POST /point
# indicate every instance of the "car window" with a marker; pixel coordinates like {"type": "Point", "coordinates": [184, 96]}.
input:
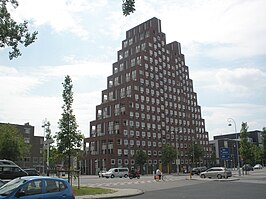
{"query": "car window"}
{"type": "Point", "coordinates": [32, 188]}
{"type": "Point", "coordinates": [54, 186]}
{"type": "Point", "coordinates": [116, 170]}
{"type": "Point", "coordinates": [10, 186]}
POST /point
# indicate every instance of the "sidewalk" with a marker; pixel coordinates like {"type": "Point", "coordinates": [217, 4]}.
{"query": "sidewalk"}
{"type": "Point", "coordinates": [117, 194]}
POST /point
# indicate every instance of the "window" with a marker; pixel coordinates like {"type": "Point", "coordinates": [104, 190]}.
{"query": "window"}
{"type": "Point", "coordinates": [54, 186]}
{"type": "Point", "coordinates": [33, 188]}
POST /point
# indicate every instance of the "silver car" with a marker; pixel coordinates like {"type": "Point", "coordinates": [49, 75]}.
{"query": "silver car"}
{"type": "Point", "coordinates": [216, 172]}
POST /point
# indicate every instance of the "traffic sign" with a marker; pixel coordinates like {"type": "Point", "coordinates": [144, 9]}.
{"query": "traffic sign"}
{"type": "Point", "coordinates": [224, 153]}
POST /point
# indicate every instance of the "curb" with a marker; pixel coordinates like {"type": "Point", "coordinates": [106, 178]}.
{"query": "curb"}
{"type": "Point", "coordinates": [119, 193]}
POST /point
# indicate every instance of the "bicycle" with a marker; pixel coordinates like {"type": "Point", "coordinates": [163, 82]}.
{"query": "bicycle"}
{"type": "Point", "coordinates": [163, 178]}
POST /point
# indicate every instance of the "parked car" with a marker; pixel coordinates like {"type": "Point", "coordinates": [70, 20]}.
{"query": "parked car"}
{"type": "Point", "coordinates": [216, 172]}
{"type": "Point", "coordinates": [247, 167]}
{"type": "Point", "coordinates": [30, 187]}
{"type": "Point", "coordinates": [7, 162]}
{"type": "Point", "coordinates": [198, 170]}
{"type": "Point", "coordinates": [257, 166]}
{"type": "Point", "coordinates": [11, 172]}
{"type": "Point", "coordinates": [116, 172]}
{"type": "Point", "coordinates": [32, 172]}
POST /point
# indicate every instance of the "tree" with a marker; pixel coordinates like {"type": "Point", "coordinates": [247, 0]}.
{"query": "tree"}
{"type": "Point", "coordinates": [263, 134]}
{"type": "Point", "coordinates": [12, 145]}
{"type": "Point", "coordinates": [245, 146]}
{"type": "Point", "coordinates": [128, 6]}
{"type": "Point", "coordinates": [169, 154]}
{"type": "Point", "coordinates": [196, 153]}
{"type": "Point", "coordinates": [12, 33]}
{"type": "Point", "coordinates": [140, 158]}
{"type": "Point", "coordinates": [68, 139]}
{"type": "Point", "coordinates": [257, 153]}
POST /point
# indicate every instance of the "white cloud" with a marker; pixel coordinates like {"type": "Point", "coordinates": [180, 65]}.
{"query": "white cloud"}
{"type": "Point", "coordinates": [80, 69]}
{"type": "Point", "coordinates": [239, 81]}
{"type": "Point", "coordinates": [216, 117]}
{"type": "Point", "coordinates": [228, 29]}
{"type": "Point", "coordinates": [19, 105]}
{"type": "Point", "coordinates": [61, 15]}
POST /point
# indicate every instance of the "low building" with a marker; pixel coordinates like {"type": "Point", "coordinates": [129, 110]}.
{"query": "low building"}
{"type": "Point", "coordinates": [34, 159]}
{"type": "Point", "coordinates": [232, 142]}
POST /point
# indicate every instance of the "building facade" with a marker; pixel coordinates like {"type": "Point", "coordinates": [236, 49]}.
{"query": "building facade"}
{"type": "Point", "coordinates": [149, 102]}
{"type": "Point", "coordinates": [34, 159]}
{"type": "Point", "coordinates": [232, 141]}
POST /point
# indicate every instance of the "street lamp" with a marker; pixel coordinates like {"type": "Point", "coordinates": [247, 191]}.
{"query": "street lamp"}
{"type": "Point", "coordinates": [230, 120]}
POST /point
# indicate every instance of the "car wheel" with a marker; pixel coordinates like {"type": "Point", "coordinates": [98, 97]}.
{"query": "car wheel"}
{"type": "Point", "coordinates": [219, 176]}
{"type": "Point", "coordinates": [112, 176]}
{"type": "Point", "coordinates": [125, 175]}
{"type": "Point", "coordinates": [202, 176]}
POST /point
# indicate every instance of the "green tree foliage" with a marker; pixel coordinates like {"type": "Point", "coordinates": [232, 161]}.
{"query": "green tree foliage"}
{"type": "Point", "coordinates": [12, 33]}
{"type": "Point", "coordinates": [128, 7]}
{"type": "Point", "coordinates": [56, 158]}
{"type": "Point", "coordinates": [68, 139]}
{"type": "Point", "coordinates": [169, 154]}
{"type": "Point", "coordinates": [140, 158]}
{"type": "Point", "coordinates": [245, 146]}
{"type": "Point", "coordinates": [12, 145]}
{"type": "Point", "coordinates": [196, 153]}
{"type": "Point", "coordinates": [257, 154]}
{"type": "Point", "coordinates": [263, 134]}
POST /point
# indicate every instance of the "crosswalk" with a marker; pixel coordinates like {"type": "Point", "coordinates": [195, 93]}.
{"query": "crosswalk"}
{"type": "Point", "coordinates": [133, 181]}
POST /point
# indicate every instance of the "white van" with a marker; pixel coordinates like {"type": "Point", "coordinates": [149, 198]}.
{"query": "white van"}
{"type": "Point", "coordinates": [116, 172]}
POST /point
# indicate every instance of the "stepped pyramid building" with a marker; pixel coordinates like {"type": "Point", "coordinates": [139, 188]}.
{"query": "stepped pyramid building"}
{"type": "Point", "coordinates": [149, 102]}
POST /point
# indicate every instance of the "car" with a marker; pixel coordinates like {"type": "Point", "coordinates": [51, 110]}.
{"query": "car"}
{"type": "Point", "coordinates": [247, 167]}
{"type": "Point", "coordinates": [116, 172]}
{"type": "Point", "coordinates": [216, 172]}
{"type": "Point", "coordinates": [101, 173]}
{"type": "Point", "coordinates": [257, 166]}
{"type": "Point", "coordinates": [2, 183]}
{"type": "Point", "coordinates": [32, 172]}
{"type": "Point", "coordinates": [11, 172]}
{"type": "Point", "coordinates": [198, 170]}
{"type": "Point", "coordinates": [29, 187]}
{"type": "Point", "coordinates": [7, 162]}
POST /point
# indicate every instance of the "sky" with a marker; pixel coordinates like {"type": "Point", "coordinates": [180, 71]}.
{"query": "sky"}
{"type": "Point", "coordinates": [224, 44]}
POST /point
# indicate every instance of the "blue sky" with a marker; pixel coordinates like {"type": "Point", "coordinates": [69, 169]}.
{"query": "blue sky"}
{"type": "Point", "coordinates": [224, 44]}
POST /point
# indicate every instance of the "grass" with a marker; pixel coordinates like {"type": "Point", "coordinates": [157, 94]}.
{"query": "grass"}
{"type": "Point", "coordinates": [90, 190]}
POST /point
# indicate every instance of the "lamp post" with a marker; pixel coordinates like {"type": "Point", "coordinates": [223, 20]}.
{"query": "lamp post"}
{"type": "Point", "coordinates": [44, 134]}
{"type": "Point", "coordinates": [230, 120]}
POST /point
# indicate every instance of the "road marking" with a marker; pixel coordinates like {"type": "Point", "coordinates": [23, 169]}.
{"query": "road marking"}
{"type": "Point", "coordinates": [108, 184]}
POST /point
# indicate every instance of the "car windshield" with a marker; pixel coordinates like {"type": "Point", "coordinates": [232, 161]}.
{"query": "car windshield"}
{"type": "Point", "coordinates": [10, 186]}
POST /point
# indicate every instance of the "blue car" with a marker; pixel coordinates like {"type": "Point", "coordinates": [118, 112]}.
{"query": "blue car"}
{"type": "Point", "coordinates": [2, 183]}
{"type": "Point", "coordinates": [37, 187]}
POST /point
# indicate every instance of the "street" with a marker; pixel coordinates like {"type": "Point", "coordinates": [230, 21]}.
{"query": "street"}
{"type": "Point", "coordinates": [210, 190]}
{"type": "Point", "coordinates": [238, 187]}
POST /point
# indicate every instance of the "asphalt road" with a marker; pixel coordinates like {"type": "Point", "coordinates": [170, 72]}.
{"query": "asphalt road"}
{"type": "Point", "coordinates": [251, 186]}
{"type": "Point", "coordinates": [210, 190]}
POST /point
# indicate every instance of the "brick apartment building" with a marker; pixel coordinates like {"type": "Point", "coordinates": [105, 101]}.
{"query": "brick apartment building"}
{"type": "Point", "coordinates": [34, 159]}
{"type": "Point", "coordinates": [149, 102]}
